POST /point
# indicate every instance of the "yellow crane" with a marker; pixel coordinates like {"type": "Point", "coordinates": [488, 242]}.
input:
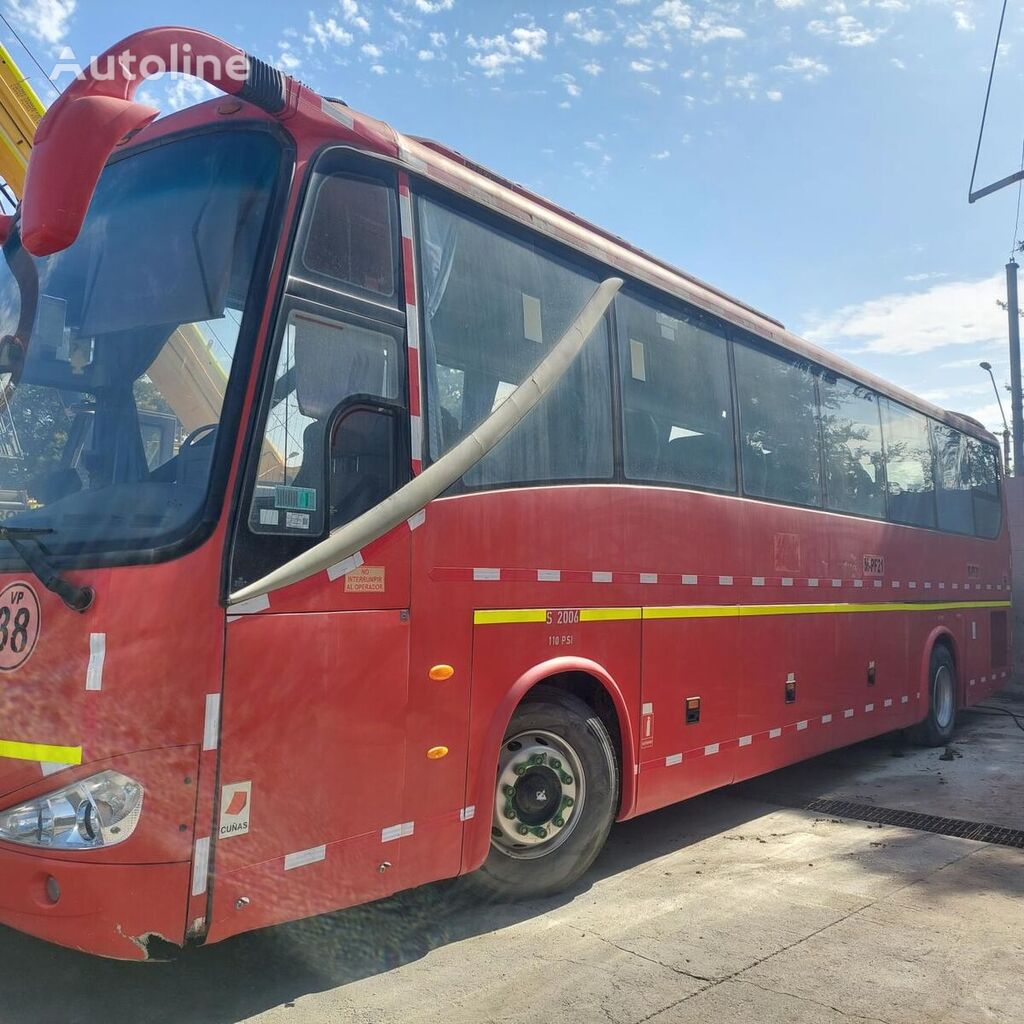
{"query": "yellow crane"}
{"type": "Point", "coordinates": [20, 113]}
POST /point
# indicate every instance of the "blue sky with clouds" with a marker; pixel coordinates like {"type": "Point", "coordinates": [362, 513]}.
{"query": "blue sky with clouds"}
{"type": "Point", "coordinates": [810, 156]}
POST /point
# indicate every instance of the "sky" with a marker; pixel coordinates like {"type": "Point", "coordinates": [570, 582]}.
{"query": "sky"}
{"type": "Point", "coordinates": [810, 157]}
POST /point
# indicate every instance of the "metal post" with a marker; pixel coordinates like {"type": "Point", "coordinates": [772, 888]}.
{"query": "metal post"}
{"type": "Point", "coordinates": [1006, 453]}
{"type": "Point", "coordinates": [1016, 400]}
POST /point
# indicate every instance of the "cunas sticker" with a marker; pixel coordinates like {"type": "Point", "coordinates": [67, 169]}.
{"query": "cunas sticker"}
{"type": "Point", "coordinates": [19, 625]}
{"type": "Point", "coordinates": [235, 804]}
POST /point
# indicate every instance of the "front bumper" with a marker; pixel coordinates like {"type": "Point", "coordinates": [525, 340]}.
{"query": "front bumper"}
{"type": "Point", "coordinates": [112, 910]}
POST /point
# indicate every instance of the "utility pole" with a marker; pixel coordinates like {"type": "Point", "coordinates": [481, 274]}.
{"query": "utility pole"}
{"type": "Point", "coordinates": [1016, 399]}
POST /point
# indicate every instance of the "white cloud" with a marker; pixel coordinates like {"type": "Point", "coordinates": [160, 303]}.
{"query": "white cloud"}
{"type": "Point", "coordinates": [496, 54]}
{"type": "Point", "coordinates": [378, 69]}
{"type": "Point", "coordinates": [579, 23]}
{"type": "Point", "coordinates": [350, 12]}
{"type": "Point", "coordinates": [425, 55]}
{"type": "Point", "coordinates": [963, 20]}
{"type": "Point", "coordinates": [433, 6]}
{"type": "Point", "coordinates": [185, 91]}
{"type": "Point", "coordinates": [845, 29]}
{"type": "Point", "coordinates": [369, 50]}
{"type": "Point", "coordinates": [663, 155]}
{"type": "Point", "coordinates": [775, 95]}
{"type": "Point", "coordinates": [46, 20]}
{"type": "Point", "coordinates": [674, 13]}
{"type": "Point", "coordinates": [910, 323]}
{"type": "Point", "coordinates": [641, 67]}
{"type": "Point", "coordinates": [438, 40]}
{"type": "Point", "coordinates": [328, 31]}
{"type": "Point", "coordinates": [807, 68]}
{"type": "Point", "coordinates": [593, 68]}
{"type": "Point", "coordinates": [788, 5]}
{"type": "Point", "coordinates": [569, 82]}
{"type": "Point", "coordinates": [927, 276]}
{"type": "Point", "coordinates": [711, 29]}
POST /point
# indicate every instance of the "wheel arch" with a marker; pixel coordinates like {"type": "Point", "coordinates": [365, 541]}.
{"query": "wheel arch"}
{"type": "Point", "coordinates": [597, 688]}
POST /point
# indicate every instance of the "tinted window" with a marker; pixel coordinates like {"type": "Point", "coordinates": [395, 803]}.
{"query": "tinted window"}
{"type": "Point", "coordinates": [493, 307]}
{"type": "Point", "coordinates": [953, 474]}
{"type": "Point", "coordinates": [351, 235]}
{"type": "Point", "coordinates": [780, 442]}
{"type": "Point", "coordinates": [984, 470]}
{"type": "Point", "coordinates": [676, 402]}
{"type": "Point", "coordinates": [852, 433]}
{"type": "Point", "coordinates": [908, 465]}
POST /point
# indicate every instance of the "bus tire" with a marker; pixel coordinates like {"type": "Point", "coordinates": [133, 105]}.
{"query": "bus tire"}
{"type": "Point", "coordinates": [555, 797]}
{"type": "Point", "coordinates": [936, 730]}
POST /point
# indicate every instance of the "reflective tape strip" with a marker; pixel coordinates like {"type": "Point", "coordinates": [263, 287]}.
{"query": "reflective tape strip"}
{"type": "Point", "coordinates": [487, 574]}
{"type": "Point", "coordinates": [548, 576]}
{"type": "Point", "coordinates": [304, 857]}
{"type": "Point", "coordinates": [848, 713]}
{"type": "Point", "coordinates": [344, 566]}
{"type": "Point", "coordinates": [888, 702]}
{"type": "Point", "coordinates": [250, 607]}
{"type": "Point", "coordinates": [601, 577]}
{"type": "Point", "coordinates": [800, 726]}
{"type": "Point", "coordinates": [673, 759]}
{"type": "Point", "coordinates": [774, 734]}
{"type": "Point", "coordinates": [868, 708]}
{"type": "Point", "coordinates": [745, 741]}
{"type": "Point", "coordinates": [200, 866]}
{"type": "Point", "coordinates": [490, 617]}
{"type": "Point", "coordinates": [417, 519]}
{"type": "Point", "coordinates": [393, 832]}
{"type": "Point", "coordinates": [467, 813]}
{"type": "Point", "coordinates": [211, 724]}
{"type": "Point", "coordinates": [711, 748]}
{"type": "Point", "coordinates": [825, 719]}
{"type": "Point", "coordinates": [648, 577]}
{"type": "Point", "coordinates": [18, 751]}
{"type": "Point", "coordinates": [97, 655]}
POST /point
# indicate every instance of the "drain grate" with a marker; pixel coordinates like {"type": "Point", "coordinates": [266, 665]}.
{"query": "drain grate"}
{"type": "Point", "coordinates": [980, 831]}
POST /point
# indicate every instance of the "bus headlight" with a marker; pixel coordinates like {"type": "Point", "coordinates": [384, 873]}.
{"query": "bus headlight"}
{"type": "Point", "coordinates": [101, 810]}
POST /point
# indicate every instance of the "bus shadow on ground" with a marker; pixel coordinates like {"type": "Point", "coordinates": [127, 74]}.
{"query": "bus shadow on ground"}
{"type": "Point", "coordinates": [251, 973]}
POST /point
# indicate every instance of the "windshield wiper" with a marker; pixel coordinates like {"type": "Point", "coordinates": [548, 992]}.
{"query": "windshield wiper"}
{"type": "Point", "coordinates": [77, 598]}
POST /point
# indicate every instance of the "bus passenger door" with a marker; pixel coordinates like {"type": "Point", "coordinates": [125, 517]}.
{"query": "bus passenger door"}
{"type": "Point", "coordinates": [314, 717]}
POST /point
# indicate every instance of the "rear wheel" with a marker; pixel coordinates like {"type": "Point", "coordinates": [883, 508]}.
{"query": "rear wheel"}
{"type": "Point", "coordinates": [554, 800]}
{"type": "Point", "coordinates": [938, 727]}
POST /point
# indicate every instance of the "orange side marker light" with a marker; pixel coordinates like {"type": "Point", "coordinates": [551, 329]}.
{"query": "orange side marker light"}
{"type": "Point", "coordinates": [436, 753]}
{"type": "Point", "coordinates": [439, 673]}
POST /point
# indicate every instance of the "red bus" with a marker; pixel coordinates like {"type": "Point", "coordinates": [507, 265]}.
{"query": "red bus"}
{"type": "Point", "coordinates": [474, 530]}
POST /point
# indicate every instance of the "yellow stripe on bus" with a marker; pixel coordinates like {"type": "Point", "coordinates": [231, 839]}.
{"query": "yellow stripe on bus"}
{"type": "Point", "coordinates": [40, 752]}
{"type": "Point", "coordinates": [503, 616]}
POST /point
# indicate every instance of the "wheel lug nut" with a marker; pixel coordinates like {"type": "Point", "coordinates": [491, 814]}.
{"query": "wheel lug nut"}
{"type": "Point", "coordinates": [523, 830]}
{"type": "Point", "coordinates": [555, 763]}
{"type": "Point", "coordinates": [540, 833]}
{"type": "Point", "coordinates": [509, 791]}
{"type": "Point", "coordinates": [510, 814]}
{"type": "Point", "coordinates": [558, 822]}
{"type": "Point", "coordinates": [520, 769]}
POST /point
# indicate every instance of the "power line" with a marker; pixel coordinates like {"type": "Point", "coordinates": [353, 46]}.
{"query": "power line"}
{"type": "Point", "coordinates": [1016, 226]}
{"type": "Point", "coordinates": [988, 93]}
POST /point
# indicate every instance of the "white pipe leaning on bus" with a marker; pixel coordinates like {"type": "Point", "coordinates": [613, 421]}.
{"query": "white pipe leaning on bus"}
{"type": "Point", "coordinates": [439, 476]}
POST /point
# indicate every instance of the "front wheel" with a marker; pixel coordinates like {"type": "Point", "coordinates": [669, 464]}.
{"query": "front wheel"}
{"type": "Point", "coordinates": [555, 796]}
{"type": "Point", "coordinates": [937, 729]}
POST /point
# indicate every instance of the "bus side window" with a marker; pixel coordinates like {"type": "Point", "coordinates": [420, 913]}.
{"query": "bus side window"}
{"type": "Point", "coordinates": [909, 466]}
{"type": "Point", "coordinates": [493, 307]}
{"type": "Point", "coordinates": [984, 482]}
{"type": "Point", "coordinates": [854, 463]}
{"type": "Point", "coordinates": [351, 235]}
{"type": "Point", "coordinates": [780, 439]}
{"type": "Point", "coordinates": [676, 400]}
{"type": "Point", "coordinates": [953, 477]}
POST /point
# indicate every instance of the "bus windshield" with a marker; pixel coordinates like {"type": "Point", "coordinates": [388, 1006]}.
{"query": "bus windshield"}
{"type": "Point", "coordinates": [107, 439]}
